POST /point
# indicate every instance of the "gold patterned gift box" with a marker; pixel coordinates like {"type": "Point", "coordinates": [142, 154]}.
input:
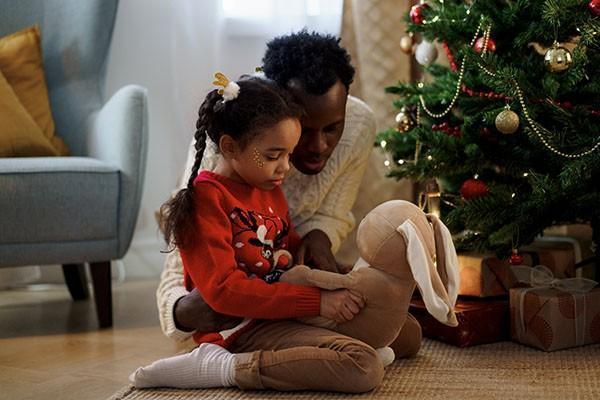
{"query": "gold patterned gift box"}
{"type": "Point", "coordinates": [557, 314]}
{"type": "Point", "coordinates": [489, 276]}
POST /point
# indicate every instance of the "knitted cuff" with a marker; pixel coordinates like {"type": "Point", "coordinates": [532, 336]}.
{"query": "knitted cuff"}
{"type": "Point", "coordinates": [309, 302]}
{"type": "Point", "coordinates": [170, 328]}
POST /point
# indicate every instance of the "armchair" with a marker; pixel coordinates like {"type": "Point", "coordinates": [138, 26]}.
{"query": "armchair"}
{"type": "Point", "coordinates": [82, 208]}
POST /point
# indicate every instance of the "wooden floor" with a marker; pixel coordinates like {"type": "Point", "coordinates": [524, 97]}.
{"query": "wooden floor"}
{"type": "Point", "coordinates": [50, 347]}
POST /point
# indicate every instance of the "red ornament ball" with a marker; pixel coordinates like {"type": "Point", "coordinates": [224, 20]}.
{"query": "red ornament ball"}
{"type": "Point", "coordinates": [416, 13]}
{"type": "Point", "coordinates": [473, 188]}
{"type": "Point", "coordinates": [515, 258]}
{"type": "Point", "coordinates": [594, 6]}
{"type": "Point", "coordinates": [478, 46]}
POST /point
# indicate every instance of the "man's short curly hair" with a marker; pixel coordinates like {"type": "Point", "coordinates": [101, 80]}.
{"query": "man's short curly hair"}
{"type": "Point", "coordinates": [316, 60]}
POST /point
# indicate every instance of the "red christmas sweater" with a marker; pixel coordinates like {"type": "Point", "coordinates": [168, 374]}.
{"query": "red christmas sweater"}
{"type": "Point", "coordinates": [244, 241]}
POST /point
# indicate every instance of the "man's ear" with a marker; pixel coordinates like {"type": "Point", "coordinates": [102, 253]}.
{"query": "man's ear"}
{"type": "Point", "coordinates": [228, 147]}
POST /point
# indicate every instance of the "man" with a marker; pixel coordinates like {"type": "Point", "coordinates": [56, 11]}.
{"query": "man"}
{"type": "Point", "coordinates": [329, 161]}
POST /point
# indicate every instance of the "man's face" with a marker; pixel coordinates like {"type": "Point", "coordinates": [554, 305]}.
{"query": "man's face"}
{"type": "Point", "coordinates": [322, 127]}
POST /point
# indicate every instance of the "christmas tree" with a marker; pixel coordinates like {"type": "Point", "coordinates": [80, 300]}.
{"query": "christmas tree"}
{"type": "Point", "coordinates": [510, 127]}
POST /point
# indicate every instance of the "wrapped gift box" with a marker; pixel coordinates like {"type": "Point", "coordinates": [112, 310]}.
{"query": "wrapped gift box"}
{"type": "Point", "coordinates": [476, 277]}
{"type": "Point", "coordinates": [488, 276]}
{"type": "Point", "coordinates": [582, 234]}
{"type": "Point", "coordinates": [560, 254]}
{"type": "Point", "coordinates": [479, 322]}
{"type": "Point", "coordinates": [551, 319]}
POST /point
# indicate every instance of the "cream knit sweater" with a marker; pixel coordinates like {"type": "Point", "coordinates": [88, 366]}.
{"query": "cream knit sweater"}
{"type": "Point", "coordinates": [321, 201]}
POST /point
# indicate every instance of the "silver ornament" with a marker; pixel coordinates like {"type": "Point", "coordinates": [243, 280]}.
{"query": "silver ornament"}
{"type": "Point", "coordinates": [426, 53]}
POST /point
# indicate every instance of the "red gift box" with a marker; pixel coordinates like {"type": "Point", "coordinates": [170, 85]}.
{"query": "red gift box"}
{"type": "Point", "coordinates": [479, 322]}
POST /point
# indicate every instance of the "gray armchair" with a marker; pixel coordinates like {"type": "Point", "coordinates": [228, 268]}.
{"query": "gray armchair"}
{"type": "Point", "coordinates": [82, 208]}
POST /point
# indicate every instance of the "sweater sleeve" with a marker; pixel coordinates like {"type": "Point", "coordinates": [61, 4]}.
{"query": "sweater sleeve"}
{"type": "Point", "coordinates": [334, 216]}
{"type": "Point", "coordinates": [171, 289]}
{"type": "Point", "coordinates": [211, 264]}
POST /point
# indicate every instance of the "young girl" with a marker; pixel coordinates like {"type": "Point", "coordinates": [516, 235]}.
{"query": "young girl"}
{"type": "Point", "coordinates": [235, 237]}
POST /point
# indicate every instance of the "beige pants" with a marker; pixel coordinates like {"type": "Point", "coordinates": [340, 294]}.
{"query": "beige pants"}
{"type": "Point", "coordinates": [288, 355]}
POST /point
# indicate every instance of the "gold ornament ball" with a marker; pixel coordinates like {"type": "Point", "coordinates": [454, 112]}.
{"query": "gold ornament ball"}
{"type": "Point", "coordinates": [406, 44]}
{"type": "Point", "coordinates": [507, 122]}
{"type": "Point", "coordinates": [403, 121]}
{"type": "Point", "coordinates": [557, 59]}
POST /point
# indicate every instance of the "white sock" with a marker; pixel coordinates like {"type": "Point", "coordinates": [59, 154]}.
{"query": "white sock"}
{"type": "Point", "coordinates": [386, 355]}
{"type": "Point", "coordinates": [206, 366]}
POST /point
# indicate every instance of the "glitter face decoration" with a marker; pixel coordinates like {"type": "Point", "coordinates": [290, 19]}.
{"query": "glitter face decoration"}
{"type": "Point", "coordinates": [257, 157]}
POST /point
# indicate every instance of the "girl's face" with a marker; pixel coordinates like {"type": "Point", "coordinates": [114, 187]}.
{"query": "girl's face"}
{"type": "Point", "coordinates": [265, 160]}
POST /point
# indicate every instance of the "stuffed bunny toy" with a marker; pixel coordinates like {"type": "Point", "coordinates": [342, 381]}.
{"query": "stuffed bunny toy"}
{"type": "Point", "coordinates": [400, 247]}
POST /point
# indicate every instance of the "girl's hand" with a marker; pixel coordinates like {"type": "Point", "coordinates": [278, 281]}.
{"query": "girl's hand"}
{"type": "Point", "coordinates": [340, 305]}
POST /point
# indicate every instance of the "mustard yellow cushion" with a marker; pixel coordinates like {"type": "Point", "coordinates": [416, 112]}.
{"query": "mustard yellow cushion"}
{"type": "Point", "coordinates": [19, 134]}
{"type": "Point", "coordinates": [21, 64]}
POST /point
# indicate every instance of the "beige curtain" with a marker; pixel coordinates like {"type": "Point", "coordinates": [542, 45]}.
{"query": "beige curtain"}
{"type": "Point", "coordinates": [371, 31]}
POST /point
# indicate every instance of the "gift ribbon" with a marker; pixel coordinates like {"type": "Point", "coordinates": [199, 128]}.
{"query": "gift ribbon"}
{"type": "Point", "coordinates": [540, 277]}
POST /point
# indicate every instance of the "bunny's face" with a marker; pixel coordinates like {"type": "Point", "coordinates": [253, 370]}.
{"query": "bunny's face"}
{"type": "Point", "coordinates": [381, 244]}
{"type": "Point", "coordinates": [396, 237]}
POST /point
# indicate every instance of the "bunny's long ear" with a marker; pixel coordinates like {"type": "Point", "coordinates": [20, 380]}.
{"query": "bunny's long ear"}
{"type": "Point", "coordinates": [447, 261]}
{"type": "Point", "coordinates": [425, 274]}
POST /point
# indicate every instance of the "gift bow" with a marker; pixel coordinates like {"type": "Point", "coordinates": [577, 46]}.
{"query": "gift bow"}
{"type": "Point", "coordinates": [541, 276]}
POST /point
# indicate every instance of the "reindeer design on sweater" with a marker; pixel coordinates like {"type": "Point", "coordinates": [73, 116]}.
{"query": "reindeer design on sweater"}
{"type": "Point", "coordinates": [259, 245]}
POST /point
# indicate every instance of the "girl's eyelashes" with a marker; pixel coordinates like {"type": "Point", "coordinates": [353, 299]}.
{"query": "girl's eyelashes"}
{"type": "Point", "coordinates": [272, 157]}
{"type": "Point", "coordinates": [277, 157]}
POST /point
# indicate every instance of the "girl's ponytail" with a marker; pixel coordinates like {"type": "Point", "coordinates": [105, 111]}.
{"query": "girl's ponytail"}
{"type": "Point", "coordinates": [177, 216]}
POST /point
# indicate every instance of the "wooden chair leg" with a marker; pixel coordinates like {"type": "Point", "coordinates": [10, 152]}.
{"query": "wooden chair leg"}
{"type": "Point", "coordinates": [76, 281]}
{"type": "Point", "coordinates": [100, 272]}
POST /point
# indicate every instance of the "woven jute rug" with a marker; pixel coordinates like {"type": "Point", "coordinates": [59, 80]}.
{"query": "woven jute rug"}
{"type": "Point", "coordinates": [497, 371]}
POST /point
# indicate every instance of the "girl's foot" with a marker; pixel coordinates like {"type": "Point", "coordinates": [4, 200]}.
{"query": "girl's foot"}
{"type": "Point", "coordinates": [206, 366]}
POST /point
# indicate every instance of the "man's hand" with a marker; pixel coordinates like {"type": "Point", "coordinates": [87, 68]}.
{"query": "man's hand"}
{"type": "Point", "coordinates": [192, 313]}
{"type": "Point", "coordinates": [340, 305]}
{"type": "Point", "coordinates": [315, 251]}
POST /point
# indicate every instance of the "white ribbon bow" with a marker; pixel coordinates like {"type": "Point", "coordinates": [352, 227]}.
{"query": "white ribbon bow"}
{"type": "Point", "coordinates": [541, 276]}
